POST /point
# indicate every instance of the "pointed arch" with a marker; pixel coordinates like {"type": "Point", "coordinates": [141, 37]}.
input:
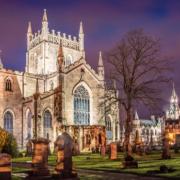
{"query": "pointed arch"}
{"type": "Point", "coordinates": [29, 124]}
{"type": "Point", "coordinates": [8, 84]}
{"type": "Point", "coordinates": [47, 123]}
{"type": "Point", "coordinates": [81, 98]}
{"type": "Point", "coordinates": [109, 127]}
{"type": "Point", "coordinates": [8, 120]}
{"type": "Point", "coordinates": [69, 60]}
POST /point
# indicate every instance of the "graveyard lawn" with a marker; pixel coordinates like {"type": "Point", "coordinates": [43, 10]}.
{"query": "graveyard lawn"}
{"type": "Point", "coordinates": [96, 162]}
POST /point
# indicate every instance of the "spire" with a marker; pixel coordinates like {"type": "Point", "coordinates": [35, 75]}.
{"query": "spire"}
{"type": "Point", "coordinates": [174, 91]}
{"type": "Point", "coordinates": [1, 64]}
{"type": "Point", "coordinates": [81, 28]}
{"type": "Point", "coordinates": [45, 29]}
{"type": "Point", "coordinates": [81, 39]}
{"type": "Point", "coordinates": [101, 67]}
{"type": "Point", "coordinates": [29, 28]}
{"type": "Point", "coordinates": [136, 117]}
{"type": "Point", "coordinates": [100, 62]}
{"type": "Point", "coordinates": [45, 16]}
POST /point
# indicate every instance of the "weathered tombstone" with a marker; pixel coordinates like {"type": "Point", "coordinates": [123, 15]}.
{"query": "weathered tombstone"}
{"type": "Point", "coordinates": [103, 151]}
{"type": "Point", "coordinates": [40, 157]}
{"type": "Point", "coordinates": [113, 151]}
{"type": "Point", "coordinates": [64, 147]}
{"type": "Point", "coordinates": [76, 150]}
{"type": "Point", "coordinates": [29, 148]}
{"type": "Point", "coordinates": [5, 166]}
{"type": "Point", "coordinates": [166, 149]}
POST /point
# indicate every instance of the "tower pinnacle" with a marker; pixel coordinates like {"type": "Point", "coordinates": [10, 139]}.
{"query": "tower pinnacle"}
{"type": "Point", "coordinates": [45, 29]}
{"type": "Point", "coordinates": [29, 28]}
{"type": "Point", "coordinates": [1, 64]}
{"type": "Point", "coordinates": [100, 67]}
{"type": "Point", "coordinates": [136, 117]}
{"type": "Point", "coordinates": [81, 39]}
{"type": "Point", "coordinates": [174, 97]}
{"type": "Point", "coordinates": [81, 28]}
{"type": "Point", "coordinates": [45, 15]}
{"type": "Point", "coordinates": [100, 62]}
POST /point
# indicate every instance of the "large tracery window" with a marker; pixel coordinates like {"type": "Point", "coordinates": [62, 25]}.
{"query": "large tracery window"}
{"type": "Point", "coordinates": [81, 106]}
{"type": "Point", "coordinates": [8, 122]}
{"type": "Point", "coordinates": [47, 123]}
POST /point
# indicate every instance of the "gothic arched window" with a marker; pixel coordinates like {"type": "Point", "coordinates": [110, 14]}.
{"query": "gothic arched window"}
{"type": "Point", "coordinates": [51, 85]}
{"type": "Point", "coordinates": [47, 123]}
{"type": "Point", "coordinates": [29, 125]}
{"type": "Point", "coordinates": [108, 123]}
{"type": "Point", "coordinates": [8, 122]}
{"type": "Point", "coordinates": [108, 128]}
{"type": "Point", "coordinates": [8, 85]}
{"type": "Point", "coordinates": [81, 106]}
{"type": "Point", "coordinates": [68, 60]}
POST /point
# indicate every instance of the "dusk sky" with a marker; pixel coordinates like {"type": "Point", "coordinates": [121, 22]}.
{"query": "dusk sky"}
{"type": "Point", "coordinates": [105, 22]}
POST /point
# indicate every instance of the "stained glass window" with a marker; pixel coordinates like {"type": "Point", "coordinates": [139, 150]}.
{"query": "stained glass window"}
{"type": "Point", "coordinates": [29, 125]}
{"type": "Point", "coordinates": [8, 122]}
{"type": "Point", "coordinates": [108, 128]}
{"type": "Point", "coordinates": [81, 106]}
{"type": "Point", "coordinates": [47, 123]}
{"type": "Point", "coordinates": [108, 124]}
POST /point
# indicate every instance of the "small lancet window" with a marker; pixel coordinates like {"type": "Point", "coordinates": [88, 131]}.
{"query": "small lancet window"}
{"type": "Point", "coordinates": [8, 85]}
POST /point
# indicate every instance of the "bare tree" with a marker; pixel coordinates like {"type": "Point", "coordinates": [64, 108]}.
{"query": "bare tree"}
{"type": "Point", "coordinates": [139, 71]}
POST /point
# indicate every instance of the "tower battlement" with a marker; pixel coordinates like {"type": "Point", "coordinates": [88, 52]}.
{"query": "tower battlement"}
{"type": "Point", "coordinates": [42, 48]}
{"type": "Point", "coordinates": [55, 38]}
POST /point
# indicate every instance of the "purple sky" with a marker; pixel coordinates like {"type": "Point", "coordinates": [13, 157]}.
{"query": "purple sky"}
{"type": "Point", "coordinates": [105, 22]}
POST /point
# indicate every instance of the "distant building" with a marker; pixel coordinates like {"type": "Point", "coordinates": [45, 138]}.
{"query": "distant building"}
{"type": "Point", "coordinates": [148, 130]}
{"type": "Point", "coordinates": [172, 123]}
{"type": "Point", "coordinates": [174, 111]}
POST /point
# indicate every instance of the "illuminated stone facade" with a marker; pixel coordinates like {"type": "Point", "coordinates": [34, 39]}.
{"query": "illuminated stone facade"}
{"type": "Point", "coordinates": [58, 92]}
{"type": "Point", "coordinates": [173, 129]}
{"type": "Point", "coordinates": [172, 123]}
{"type": "Point", "coordinates": [174, 111]}
{"type": "Point", "coordinates": [147, 131]}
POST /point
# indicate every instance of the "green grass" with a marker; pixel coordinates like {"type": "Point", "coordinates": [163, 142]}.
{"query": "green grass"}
{"type": "Point", "coordinates": [96, 162]}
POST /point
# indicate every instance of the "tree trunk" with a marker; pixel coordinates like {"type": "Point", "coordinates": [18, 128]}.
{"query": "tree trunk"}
{"type": "Point", "coordinates": [166, 150]}
{"type": "Point", "coordinates": [127, 144]}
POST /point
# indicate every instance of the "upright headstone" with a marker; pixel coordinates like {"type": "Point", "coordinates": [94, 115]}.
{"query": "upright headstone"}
{"type": "Point", "coordinates": [113, 151]}
{"type": "Point", "coordinates": [103, 151]}
{"type": "Point", "coordinates": [5, 166]}
{"type": "Point", "coordinates": [64, 147]}
{"type": "Point", "coordinates": [40, 157]}
{"type": "Point", "coordinates": [29, 149]}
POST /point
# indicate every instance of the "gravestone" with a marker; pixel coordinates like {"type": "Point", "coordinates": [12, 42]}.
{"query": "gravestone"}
{"type": "Point", "coordinates": [40, 157]}
{"type": "Point", "coordinates": [76, 150]}
{"type": "Point", "coordinates": [64, 147]}
{"type": "Point", "coordinates": [103, 151]}
{"type": "Point", "coordinates": [29, 148]}
{"type": "Point", "coordinates": [5, 166]}
{"type": "Point", "coordinates": [113, 151]}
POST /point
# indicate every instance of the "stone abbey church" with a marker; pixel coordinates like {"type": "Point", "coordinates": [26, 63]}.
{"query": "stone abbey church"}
{"type": "Point", "coordinates": [58, 92]}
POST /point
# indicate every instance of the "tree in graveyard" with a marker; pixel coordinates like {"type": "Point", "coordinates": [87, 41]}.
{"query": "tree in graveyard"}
{"type": "Point", "coordinates": [138, 69]}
